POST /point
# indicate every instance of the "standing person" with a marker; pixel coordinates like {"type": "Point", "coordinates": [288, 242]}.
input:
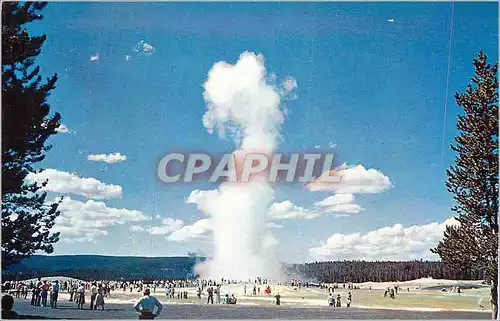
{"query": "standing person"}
{"type": "Point", "coordinates": [339, 304]}
{"type": "Point", "coordinates": [99, 301]}
{"type": "Point", "coordinates": [210, 292]}
{"type": "Point", "coordinates": [55, 294]}
{"type": "Point", "coordinates": [37, 292]}
{"type": "Point", "coordinates": [245, 290]}
{"type": "Point", "coordinates": [7, 305]}
{"type": "Point", "coordinates": [199, 293]}
{"type": "Point", "coordinates": [72, 291]}
{"type": "Point", "coordinates": [80, 296]}
{"type": "Point", "coordinates": [217, 293]}
{"type": "Point", "coordinates": [331, 300]}
{"type": "Point", "coordinates": [34, 294]}
{"type": "Point", "coordinates": [146, 305]}
{"type": "Point", "coordinates": [93, 295]}
{"type": "Point", "coordinates": [278, 299]}
{"type": "Point", "coordinates": [44, 291]}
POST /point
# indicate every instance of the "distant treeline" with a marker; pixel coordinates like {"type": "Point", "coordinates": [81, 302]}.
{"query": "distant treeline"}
{"type": "Point", "coordinates": [96, 267]}
{"type": "Point", "coordinates": [381, 271]}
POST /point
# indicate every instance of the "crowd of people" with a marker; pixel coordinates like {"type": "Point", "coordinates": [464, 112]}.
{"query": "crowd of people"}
{"type": "Point", "coordinates": [46, 293]}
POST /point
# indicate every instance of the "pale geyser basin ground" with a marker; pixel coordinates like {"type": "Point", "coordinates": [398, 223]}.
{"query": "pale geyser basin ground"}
{"type": "Point", "coordinates": [418, 298]}
{"type": "Point", "coordinates": [423, 295]}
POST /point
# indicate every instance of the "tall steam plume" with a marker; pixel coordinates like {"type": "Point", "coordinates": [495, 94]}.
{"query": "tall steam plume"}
{"type": "Point", "coordinates": [243, 103]}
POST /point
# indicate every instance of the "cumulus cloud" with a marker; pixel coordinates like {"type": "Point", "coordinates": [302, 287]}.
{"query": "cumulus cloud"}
{"type": "Point", "coordinates": [339, 203]}
{"type": "Point", "coordinates": [198, 231]}
{"type": "Point", "coordinates": [168, 226]}
{"type": "Point", "coordinates": [71, 183]}
{"type": "Point", "coordinates": [353, 179]}
{"type": "Point", "coordinates": [206, 201]}
{"type": "Point", "coordinates": [143, 48]}
{"type": "Point", "coordinates": [85, 221]}
{"type": "Point", "coordinates": [387, 243]}
{"type": "Point", "coordinates": [286, 210]}
{"type": "Point", "coordinates": [95, 58]}
{"type": "Point", "coordinates": [110, 158]}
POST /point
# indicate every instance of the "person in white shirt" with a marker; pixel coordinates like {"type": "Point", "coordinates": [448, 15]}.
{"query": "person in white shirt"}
{"type": "Point", "coordinates": [80, 296]}
{"type": "Point", "coordinates": [146, 305]}
{"type": "Point", "coordinates": [331, 300]}
{"type": "Point", "coordinates": [93, 296]}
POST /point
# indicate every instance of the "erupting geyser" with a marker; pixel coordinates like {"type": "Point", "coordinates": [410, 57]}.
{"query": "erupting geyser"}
{"type": "Point", "coordinates": [242, 102]}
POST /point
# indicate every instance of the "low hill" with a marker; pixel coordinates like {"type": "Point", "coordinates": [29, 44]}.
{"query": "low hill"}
{"type": "Point", "coordinates": [93, 267]}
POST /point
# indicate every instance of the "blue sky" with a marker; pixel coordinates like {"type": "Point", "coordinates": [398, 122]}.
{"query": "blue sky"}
{"type": "Point", "coordinates": [373, 87]}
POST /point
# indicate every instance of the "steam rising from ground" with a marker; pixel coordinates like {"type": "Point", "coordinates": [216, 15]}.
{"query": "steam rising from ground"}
{"type": "Point", "coordinates": [243, 103]}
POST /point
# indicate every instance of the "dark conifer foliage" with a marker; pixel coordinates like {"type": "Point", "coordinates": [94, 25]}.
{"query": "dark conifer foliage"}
{"type": "Point", "coordinates": [474, 180]}
{"type": "Point", "coordinates": [26, 126]}
{"type": "Point", "coordinates": [381, 271]}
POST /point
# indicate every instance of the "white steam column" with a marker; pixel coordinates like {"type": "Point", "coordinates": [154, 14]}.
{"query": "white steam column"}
{"type": "Point", "coordinates": [242, 102]}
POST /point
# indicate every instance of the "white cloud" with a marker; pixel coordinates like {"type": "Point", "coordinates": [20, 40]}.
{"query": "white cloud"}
{"type": "Point", "coordinates": [317, 146]}
{"type": "Point", "coordinates": [110, 158]}
{"type": "Point", "coordinates": [274, 225]}
{"type": "Point", "coordinates": [353, 179]}
{"type": "Point", "coordinates": [63, 129]}
{"type": "Point", "coordinates": [204, 200]}
{"type": "Point", "coordinates": [144, 48]}
{"type": "Point", "coordinates": [387, 243]}
{"type": "Point", "coordinates": [339, 203]}
{"type": "Point", "coordinates": [128, 58]}
{"type": "Point", "coordinates": [95, 58]}
{"type": "Point", "coordinates": [332, 145]}
{"type": "Point", "coordinates": [344, 208]}
{"type": "Point", "coordinates": [70, 183]}
{"type": "Point", "coordinates": [336, 199]}
{"type": "Point", "coordinates": [168, 226]}
{"type": "Point", "coordinates": [198, 231]}
{"type": "Point", "coordinates": [286, 210]}
{"type": "Point", "coordinates": [85, 221]}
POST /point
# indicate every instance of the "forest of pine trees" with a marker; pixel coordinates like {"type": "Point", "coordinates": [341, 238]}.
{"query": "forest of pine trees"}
{"type": "Point", "coordinates": [383, 271]}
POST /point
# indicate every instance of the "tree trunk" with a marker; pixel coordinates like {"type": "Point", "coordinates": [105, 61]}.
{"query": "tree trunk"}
{"type": "Point", "coordinates": [494, 297]}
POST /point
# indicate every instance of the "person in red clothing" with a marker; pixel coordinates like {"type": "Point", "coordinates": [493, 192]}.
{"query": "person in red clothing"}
{"type": "Point", "coordinates": [44, 288]}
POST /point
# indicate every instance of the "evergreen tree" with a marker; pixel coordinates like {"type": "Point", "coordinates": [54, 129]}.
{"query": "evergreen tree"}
{"type": "Point", "coordinates": [473, 245]}
{"type": "Point", "coordinates": [26, 125]}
